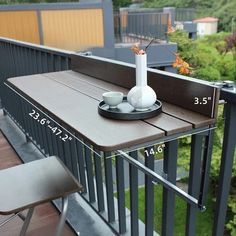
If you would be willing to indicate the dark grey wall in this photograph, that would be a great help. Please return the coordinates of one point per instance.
(158, 54)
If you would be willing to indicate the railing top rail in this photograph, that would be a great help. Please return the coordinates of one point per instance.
(57, 51)
(229, 94)
(185, 9)
(125, 9)
(147, 13)
(51, 6)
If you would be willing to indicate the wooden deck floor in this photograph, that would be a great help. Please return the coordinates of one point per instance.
(45, 218)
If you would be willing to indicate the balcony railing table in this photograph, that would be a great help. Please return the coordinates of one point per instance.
(58, 113)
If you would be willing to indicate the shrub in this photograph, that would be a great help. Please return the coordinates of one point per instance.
(207, 73)
(226, 67)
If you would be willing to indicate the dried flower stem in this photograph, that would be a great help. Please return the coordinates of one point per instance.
(146, 48)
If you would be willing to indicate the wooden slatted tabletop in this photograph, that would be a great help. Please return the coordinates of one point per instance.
(73, 98)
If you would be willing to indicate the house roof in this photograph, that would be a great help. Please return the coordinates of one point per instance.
(206, 20)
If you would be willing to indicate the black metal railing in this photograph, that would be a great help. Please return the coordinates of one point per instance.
(185, 14)
(18, 58)
(107, 176)
(133, 27)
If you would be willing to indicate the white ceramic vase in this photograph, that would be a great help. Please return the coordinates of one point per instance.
(142, 96)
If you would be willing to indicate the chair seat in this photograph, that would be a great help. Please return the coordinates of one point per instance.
(28, 185)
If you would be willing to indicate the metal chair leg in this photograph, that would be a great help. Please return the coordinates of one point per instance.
(63, 216)
(8, 219)
(26, 222)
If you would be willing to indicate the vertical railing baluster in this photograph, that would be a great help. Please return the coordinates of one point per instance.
(36, 128)
(54, 141)
(31, 122)
(49, 140)
(170, 169)
(64, 65)
(39, 62)
(27, 117)
(25, 63)
(17, 62)
(109, 186)
(149, 193)
(40, 139)
(67, 154)
(44, 62)
(17, 109)
(205, 170)
(30, 70)
(133, 182)
(89, 171)
(81, 163)
(120, 193)
(194, 183)
(24, 117)
(44, 135)
(34, 61)
(57, 63)
(99, 181)
(50, 62)
(74, 157)
(60, 147)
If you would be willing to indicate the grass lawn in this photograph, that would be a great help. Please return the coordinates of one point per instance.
(204, 220)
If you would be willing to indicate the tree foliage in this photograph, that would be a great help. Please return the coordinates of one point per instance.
(121, 3)
(212, 59)
(33, 1)
(223, 9)
(204, 57)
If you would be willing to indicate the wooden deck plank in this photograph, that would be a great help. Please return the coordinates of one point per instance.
(45, 217)
(170, 124)
(194, 118)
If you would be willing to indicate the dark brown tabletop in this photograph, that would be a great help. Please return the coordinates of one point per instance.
(36, 182)
(74, 97)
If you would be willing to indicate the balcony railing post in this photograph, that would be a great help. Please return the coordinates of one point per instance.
(89, 172)
(133, 179)
(99, 180)
(205, 170)
(120, 183)
(149, 193)
(194, 182)
(227, 159)
(170, 169)
(109, 187)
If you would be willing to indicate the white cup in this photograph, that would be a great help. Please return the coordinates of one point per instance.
(113, 98)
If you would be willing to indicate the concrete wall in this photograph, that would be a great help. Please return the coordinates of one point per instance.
(159, 55)
(207, 28)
